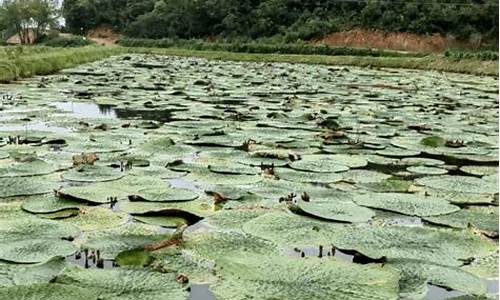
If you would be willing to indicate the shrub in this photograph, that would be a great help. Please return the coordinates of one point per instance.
(65, 42)
(259, 47)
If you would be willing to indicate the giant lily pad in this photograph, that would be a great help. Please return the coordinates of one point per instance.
(97, 218)
(12, 275)
(124, 283)
(32, 240)
(415, 275)
(446, 247)
(88, 173)
(23, 169)
(278, 277)
(319, 163)
(335, 210)
(482, 218)
(112, 241)
(143, 188)
(49, 203)
(11, 187)
(47, 291)
(310, 177)
(459, 184)
(407, 204)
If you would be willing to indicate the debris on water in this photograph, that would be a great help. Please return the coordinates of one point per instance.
(89, 260)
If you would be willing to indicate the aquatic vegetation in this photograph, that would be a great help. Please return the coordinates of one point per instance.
(143, 176)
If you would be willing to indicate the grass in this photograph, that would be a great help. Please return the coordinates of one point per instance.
(430, 62)
(21, 62)
(301, 48)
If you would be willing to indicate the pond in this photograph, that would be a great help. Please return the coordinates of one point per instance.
(185, 178)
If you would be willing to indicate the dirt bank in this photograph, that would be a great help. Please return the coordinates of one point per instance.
(394, 41)
(104, 36)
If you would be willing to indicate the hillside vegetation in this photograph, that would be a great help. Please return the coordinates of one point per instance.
(284, 20)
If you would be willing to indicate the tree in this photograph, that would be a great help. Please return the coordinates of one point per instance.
(29, 18)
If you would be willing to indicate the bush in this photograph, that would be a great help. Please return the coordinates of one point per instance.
(484, 55)
(264, 48)
(66, 42)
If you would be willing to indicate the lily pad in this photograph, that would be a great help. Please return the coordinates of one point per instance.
(407, 204)
(97, 218)
(16, 186)
(49, 203)
(441, 246)
(459, 184)
(139, 258)
(164, 221)
(319, 163)
(484, 267)
(142, 188)
(32, 168)
(479, 170)
(33, 240)
(47, 291)
(335, 210)
(207, 177)
(415, 275)
(88, 173)
(307, 177)
(279, 277)
(422, 170)
(484, 218)
(112, 241)
(12, 275)
(124, 283)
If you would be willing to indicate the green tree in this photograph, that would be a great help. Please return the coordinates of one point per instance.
(28, 18)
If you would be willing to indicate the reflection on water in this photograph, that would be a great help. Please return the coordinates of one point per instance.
(439, 293)
(93, 110)
(201, 292)
(39, 126)
(162, 115)
(86, 110)
(181, 183)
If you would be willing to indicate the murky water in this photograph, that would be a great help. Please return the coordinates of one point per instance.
(38, 126)
(101, 111)
(201, 292)
(86, 110)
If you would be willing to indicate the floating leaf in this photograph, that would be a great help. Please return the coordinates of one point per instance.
(33, 240)
(304, 176)
(441, 246)
(335, 210)
(12, 275)
(87, 173)
(124, 283)
(279, 277)
(481, 217)
(415, 275)
(112, 241)
(139, 258)
(16, 186)
(97, 218)
(463, 184)
(48, 204)
(407, 204)
(31, 168)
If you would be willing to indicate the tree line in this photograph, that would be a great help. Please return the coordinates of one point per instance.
(288, 20)
(280, 20)
(29, 19)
